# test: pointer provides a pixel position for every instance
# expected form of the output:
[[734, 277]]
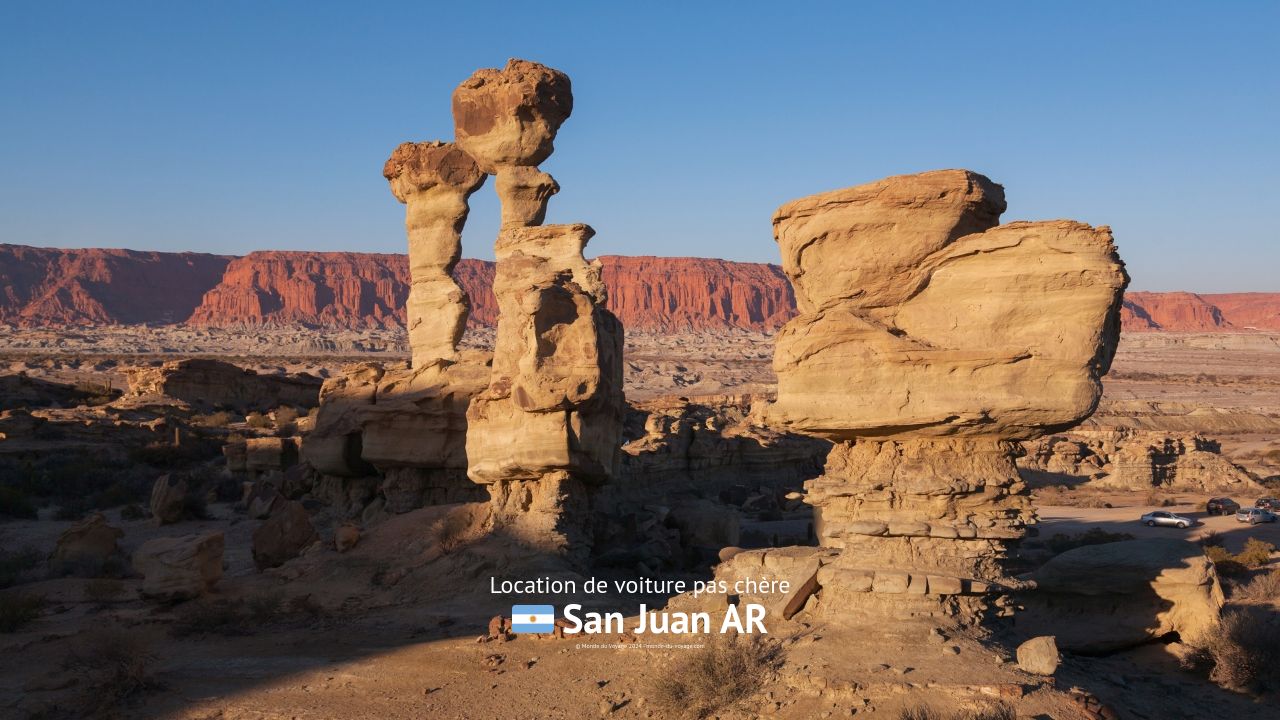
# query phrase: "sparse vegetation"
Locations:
[[237, 617], [218, 419], [257, 420], [13, 565], [993, 711], [1158, 499], [1256, 553], [1245, 649], [116, 665], [1262, 588], [16, 610], [1061, 543], [721, 674]]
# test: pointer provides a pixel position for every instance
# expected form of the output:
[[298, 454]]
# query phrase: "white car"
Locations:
[[1167, 519], [1255, 515]]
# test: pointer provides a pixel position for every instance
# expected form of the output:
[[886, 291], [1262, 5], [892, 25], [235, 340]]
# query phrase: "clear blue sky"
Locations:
[[234, 126]]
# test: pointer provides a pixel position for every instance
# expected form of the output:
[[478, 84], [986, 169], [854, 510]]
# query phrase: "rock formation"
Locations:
[[434, 180], [283, 536], [180, 568], [1100, 598], [928, 339], [213, 383], [550, 421], [1134, 460]]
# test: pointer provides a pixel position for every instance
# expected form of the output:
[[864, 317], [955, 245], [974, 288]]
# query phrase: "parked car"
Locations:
[[1255, 515], [1222, 506], [1167, 519], [1268, 503]]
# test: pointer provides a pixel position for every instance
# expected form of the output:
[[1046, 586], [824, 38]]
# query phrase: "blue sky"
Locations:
[[234, 126]]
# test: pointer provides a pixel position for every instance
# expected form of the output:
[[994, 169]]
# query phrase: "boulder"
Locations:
[[283, 536], [346, 537], [509, 117], [1100, 598], [85, 548], [1039, 656], [946, 323], [179, 568], [169, 499], [214, 383]]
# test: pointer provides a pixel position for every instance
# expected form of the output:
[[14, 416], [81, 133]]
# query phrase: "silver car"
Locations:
[[1255, 515], [1167, 519]]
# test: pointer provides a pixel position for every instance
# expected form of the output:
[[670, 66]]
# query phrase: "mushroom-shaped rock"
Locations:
[[510, 116], [434, 180]]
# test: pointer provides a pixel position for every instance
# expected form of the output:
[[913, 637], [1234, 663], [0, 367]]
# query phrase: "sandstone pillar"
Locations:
[[434, 180], [549, 424]]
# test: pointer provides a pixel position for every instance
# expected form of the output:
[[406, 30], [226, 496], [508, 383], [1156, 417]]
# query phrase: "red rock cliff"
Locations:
[[92, 286]]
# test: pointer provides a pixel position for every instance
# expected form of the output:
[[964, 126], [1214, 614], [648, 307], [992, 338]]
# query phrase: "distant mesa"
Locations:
[[42, 287]]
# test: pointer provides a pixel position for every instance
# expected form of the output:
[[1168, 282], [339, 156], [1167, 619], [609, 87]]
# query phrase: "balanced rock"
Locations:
[[946, 324], [434, 180], [283, 536], [86, 547], [509, 116], [1100, 598], [928, 339], [179, 568]]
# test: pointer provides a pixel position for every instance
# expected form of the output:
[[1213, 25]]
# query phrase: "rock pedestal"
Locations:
[[928, 338], [434, 180], [549, 423]]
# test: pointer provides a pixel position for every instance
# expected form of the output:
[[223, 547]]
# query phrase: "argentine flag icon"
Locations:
[[533, 618]]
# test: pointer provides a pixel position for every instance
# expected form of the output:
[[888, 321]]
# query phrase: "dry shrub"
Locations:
[[721, 673], [257, 420], [1212, 538], [115, 665], [1256, 553], [16, 610], [1158, 499], [210, 617], [285, 414], [1263, 588], [1245, 649], [999, 710], [218, 419]]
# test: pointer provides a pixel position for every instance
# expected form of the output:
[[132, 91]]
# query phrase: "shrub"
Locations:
[[1256, 553], [257, 420], [285, 415], [1158, 499], [1061, 543], [725, 671], [13, 565], [1224, 561], [1245, 650], [116, 666], [999, 710], [15, 504], [1263, 588], [218, 419], [17, 610], [1212, 538]]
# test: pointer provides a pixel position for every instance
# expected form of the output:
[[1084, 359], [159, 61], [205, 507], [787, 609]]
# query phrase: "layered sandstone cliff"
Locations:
[[51, 286], [94, 286]]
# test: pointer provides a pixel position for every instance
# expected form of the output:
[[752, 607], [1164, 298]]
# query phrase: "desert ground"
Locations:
[[397, 627]]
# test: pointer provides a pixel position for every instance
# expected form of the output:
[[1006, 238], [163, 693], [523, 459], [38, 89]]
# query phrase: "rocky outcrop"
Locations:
[[698, 294], [180, 568], [92, 286], [434, 180], [1134, 460], [928, 339], [213, 383], [1172, 311], [169, 499], [1100, 598]]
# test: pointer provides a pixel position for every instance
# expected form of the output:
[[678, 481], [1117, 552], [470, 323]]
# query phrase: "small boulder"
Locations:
[[168, 499], [283, 536], [1039, 656], [346, 537], [84, 548], [180, 568]]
